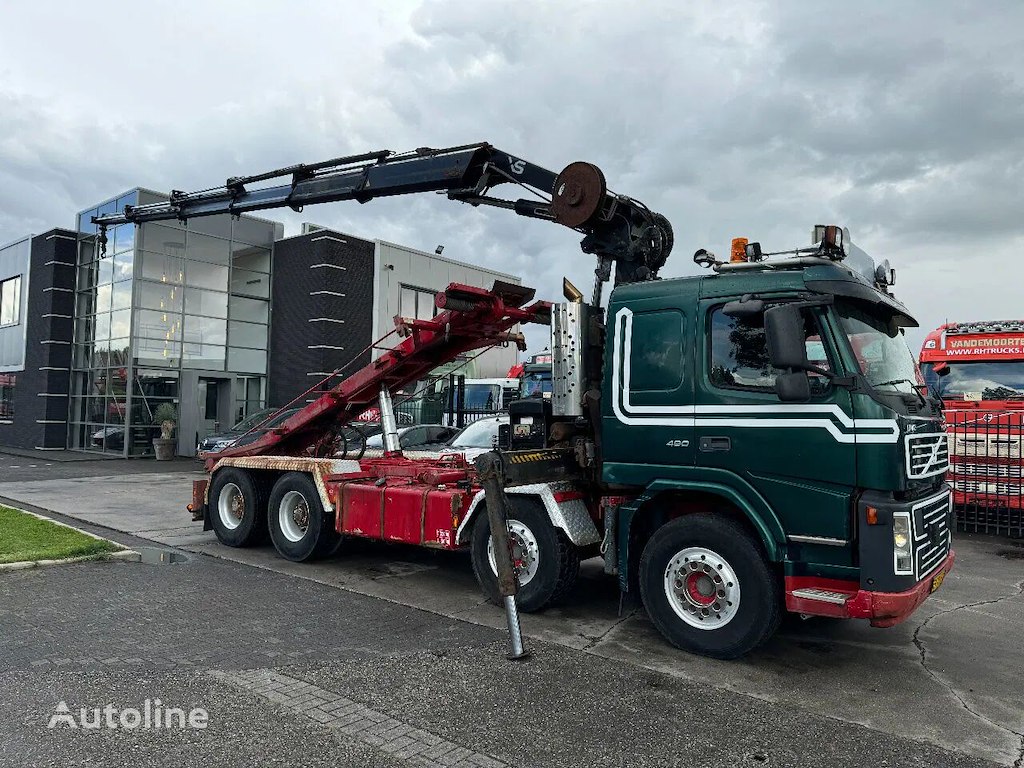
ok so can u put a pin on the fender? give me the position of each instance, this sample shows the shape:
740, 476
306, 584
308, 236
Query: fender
745, 498
568, 515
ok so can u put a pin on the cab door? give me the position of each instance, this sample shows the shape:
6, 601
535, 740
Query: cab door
648, 391
800, 457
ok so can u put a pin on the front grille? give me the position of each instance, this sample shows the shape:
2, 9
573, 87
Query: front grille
998, 488
931, 533
978, 443
977, 469
987, 470
927, 455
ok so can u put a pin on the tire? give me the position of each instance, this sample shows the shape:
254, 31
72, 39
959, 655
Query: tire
712, 559
300, 528
555, 564
238, 504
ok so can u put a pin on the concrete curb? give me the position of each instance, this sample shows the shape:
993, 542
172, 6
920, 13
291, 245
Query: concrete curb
122, 553
128, 555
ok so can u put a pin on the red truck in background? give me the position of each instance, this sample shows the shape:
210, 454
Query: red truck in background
534, 375
977, 369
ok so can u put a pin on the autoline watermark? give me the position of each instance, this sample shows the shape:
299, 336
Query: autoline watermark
154, 714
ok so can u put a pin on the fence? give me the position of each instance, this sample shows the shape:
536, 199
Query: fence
986, 469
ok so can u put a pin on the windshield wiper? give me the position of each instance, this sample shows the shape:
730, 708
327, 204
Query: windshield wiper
913, 384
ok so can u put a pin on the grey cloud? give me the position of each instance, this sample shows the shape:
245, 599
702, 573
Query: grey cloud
902, 120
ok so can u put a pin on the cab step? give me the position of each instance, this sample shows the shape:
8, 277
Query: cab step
822, 595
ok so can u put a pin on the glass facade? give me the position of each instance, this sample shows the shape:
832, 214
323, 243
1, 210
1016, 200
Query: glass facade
167, 300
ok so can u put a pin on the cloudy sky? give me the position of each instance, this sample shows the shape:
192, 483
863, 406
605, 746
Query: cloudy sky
903, 121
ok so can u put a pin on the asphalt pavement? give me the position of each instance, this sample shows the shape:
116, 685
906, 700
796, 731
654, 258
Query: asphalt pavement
290, 672
940, 689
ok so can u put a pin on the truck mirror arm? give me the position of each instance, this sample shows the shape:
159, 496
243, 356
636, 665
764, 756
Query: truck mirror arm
835, 379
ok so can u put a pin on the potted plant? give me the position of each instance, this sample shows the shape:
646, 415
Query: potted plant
167, 417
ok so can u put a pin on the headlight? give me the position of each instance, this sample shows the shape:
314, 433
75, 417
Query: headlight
903, 558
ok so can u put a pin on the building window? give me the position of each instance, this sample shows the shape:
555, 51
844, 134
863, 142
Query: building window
10, 301
416, 303
7, 381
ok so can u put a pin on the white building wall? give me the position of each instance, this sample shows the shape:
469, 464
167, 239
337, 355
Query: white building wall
396, 266
14, 262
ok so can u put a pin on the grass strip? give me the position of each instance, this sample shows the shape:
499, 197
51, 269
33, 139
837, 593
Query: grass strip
26, 537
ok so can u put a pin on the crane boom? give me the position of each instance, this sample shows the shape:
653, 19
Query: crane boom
617, 229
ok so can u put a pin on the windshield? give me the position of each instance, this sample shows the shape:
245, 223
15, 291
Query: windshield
479, 397
377, 440
479, 434
977, 381
881, 350
252, 420
536, 383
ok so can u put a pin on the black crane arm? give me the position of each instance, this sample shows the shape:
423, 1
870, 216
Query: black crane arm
616, 228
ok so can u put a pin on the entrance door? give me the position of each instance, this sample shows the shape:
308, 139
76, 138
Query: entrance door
209, 412
206, 408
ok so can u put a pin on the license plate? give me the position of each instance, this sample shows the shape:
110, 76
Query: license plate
937, 580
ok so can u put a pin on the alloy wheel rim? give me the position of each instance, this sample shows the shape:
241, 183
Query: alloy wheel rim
525, 552
702, 588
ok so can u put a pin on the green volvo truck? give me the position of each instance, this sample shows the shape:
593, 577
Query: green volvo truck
752, 440
772, 418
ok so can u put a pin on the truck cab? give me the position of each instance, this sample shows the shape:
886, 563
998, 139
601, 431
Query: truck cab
977, 370
828, 466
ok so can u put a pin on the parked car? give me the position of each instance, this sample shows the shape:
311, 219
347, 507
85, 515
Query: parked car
479, 437
109, 438
354, 436
415, 437
248, 430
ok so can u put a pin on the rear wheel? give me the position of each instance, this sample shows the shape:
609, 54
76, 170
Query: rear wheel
238, 508
708, 588
300, 527
546, 562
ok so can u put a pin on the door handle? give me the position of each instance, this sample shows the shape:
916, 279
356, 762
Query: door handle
715, 444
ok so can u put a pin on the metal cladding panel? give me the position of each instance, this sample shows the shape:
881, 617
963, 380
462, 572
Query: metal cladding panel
322, 310
15, 263
568, 322
40, 402
401, 267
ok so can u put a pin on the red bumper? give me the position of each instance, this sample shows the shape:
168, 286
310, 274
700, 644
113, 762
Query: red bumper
883, 609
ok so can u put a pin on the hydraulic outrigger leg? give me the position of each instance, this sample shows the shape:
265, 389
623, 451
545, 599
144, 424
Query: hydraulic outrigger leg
491, 477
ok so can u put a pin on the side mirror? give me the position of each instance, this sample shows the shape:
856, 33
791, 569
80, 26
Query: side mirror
793, 387
784, 333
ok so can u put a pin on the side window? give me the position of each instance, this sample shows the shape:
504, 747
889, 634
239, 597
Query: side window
739, 353
656, 351
412, 437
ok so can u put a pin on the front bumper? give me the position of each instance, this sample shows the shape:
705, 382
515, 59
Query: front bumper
845, 600
886, 609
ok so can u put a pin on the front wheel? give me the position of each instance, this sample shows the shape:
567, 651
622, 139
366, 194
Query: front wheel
546, 562
708, 588
300, 527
